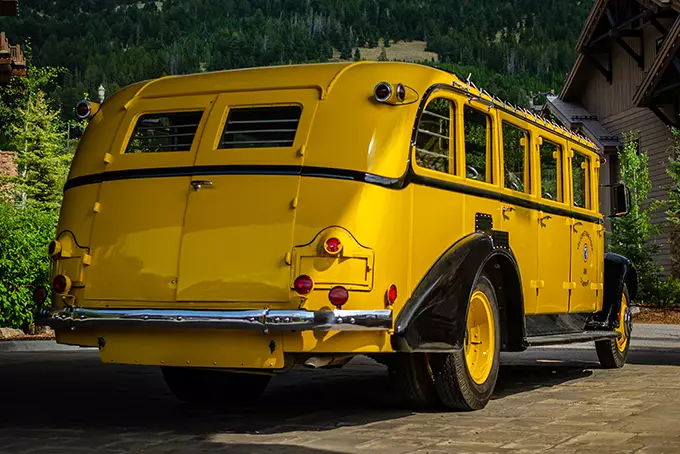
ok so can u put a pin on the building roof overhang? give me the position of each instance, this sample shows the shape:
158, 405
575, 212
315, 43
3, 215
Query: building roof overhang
576, 118
604, 28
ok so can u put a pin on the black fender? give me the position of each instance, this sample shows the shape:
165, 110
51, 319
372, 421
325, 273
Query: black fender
434, 317
618, 270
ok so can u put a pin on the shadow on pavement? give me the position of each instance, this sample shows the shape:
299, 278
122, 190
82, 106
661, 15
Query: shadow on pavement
654, 356
65, 391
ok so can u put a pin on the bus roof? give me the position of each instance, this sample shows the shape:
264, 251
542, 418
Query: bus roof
323, 76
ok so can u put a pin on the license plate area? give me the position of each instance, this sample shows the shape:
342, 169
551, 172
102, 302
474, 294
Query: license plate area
194, 348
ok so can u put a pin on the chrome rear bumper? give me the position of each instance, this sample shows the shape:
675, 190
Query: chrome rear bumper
264, 320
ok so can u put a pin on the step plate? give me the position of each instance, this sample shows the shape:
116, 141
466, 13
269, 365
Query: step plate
585, 336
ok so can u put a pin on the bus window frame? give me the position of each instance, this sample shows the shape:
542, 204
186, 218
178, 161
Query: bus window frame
454, 155
492, 168
562, 172
529, 170
592, 198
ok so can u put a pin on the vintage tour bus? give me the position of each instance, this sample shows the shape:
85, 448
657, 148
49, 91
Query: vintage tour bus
229, 226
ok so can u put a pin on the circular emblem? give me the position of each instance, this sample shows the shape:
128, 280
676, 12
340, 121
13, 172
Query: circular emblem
585, 252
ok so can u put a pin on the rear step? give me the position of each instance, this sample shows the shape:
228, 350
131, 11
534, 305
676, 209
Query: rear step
571, 338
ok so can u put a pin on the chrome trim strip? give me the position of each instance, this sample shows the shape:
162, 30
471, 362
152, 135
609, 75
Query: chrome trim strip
265, 319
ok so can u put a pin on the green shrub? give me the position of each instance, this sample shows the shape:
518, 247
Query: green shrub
668, 292
24, 263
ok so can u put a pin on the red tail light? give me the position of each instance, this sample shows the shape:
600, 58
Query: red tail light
333, 246
392, 294
61, 284
83, 110
40, 295
338, 296
303, 284
54, 248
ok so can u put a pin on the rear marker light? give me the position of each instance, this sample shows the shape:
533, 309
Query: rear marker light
61, 284
54, 248
382, 92
40, 295
303, 284
392, 294
83, 110
338, 296
333, 246
401, 93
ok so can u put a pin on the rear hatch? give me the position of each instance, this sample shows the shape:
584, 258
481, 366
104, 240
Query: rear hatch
214, 221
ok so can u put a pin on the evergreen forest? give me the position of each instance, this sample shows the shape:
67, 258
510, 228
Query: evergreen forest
511, 47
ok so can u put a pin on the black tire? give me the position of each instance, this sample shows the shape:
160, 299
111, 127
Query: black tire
608, 350
206, 386
412, 378
453, 382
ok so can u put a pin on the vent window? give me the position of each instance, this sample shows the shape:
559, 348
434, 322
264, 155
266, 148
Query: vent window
261, 127
164, 132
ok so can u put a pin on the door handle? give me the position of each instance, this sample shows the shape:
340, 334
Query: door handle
198, 184
507, 210
544, 218
576, 224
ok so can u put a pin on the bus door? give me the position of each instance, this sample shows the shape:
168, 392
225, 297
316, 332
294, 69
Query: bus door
554, 229
518, 215
587, 239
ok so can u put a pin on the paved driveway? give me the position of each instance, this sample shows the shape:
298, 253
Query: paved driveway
552, 399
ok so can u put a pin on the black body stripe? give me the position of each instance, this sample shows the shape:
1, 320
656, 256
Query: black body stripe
323, 172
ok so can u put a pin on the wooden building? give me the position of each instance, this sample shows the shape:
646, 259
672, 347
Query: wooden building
12, 60
626, 78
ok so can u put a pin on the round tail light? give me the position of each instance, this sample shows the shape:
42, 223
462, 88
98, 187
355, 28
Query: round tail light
392, 294
401, 93
333, 246
338, 296
83, 110
40, 295
54, 248
303, 284
382, 92
61, 284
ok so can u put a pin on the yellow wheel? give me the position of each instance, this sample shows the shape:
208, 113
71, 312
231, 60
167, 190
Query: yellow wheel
480, 337
465, 380
614, 353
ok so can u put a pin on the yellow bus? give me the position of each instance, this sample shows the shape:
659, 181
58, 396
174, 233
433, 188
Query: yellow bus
229, 226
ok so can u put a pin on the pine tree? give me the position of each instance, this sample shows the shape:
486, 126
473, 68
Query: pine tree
357, 55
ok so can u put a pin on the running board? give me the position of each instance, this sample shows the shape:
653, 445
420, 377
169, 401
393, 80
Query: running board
557, 339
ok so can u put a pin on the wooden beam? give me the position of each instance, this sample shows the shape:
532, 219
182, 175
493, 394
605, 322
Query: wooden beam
655, 22
607, 73
640, 59
662, 116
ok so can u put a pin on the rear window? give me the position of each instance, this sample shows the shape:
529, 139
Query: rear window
261, 127
164, 132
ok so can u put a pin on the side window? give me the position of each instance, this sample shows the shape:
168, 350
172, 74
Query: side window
477, 145
164, 132
516, 168
580, 166
433, 142
551, 171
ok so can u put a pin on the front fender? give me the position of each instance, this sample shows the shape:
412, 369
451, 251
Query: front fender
618, 270
434, 317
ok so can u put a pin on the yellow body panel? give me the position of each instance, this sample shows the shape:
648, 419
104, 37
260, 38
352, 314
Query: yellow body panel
153, 234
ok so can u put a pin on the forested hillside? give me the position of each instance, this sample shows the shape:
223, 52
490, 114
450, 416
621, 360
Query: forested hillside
510, 46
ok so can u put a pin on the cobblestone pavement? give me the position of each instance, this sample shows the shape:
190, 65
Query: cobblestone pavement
552, 400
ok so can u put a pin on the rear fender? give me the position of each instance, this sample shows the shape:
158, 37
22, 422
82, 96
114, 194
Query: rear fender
434, 317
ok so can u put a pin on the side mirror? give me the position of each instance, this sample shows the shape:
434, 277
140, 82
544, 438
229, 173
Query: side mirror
620, 198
